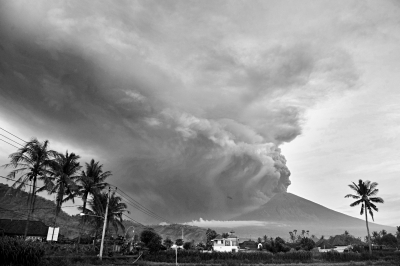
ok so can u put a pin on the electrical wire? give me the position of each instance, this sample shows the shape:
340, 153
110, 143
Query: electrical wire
10, 143
138, 208
141, 208
13, 134
132, 202
11, 139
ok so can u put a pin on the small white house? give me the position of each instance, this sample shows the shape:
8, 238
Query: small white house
339, 249
228, 244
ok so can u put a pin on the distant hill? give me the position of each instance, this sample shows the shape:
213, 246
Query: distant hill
286, 212
13, 205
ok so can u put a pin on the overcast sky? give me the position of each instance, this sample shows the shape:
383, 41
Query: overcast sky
194, 105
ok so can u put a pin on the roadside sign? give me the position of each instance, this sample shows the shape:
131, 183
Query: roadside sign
52, 234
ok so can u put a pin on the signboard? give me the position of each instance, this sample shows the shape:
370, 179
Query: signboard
52, 234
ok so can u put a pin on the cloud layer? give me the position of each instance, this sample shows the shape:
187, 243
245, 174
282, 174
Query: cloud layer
187, 102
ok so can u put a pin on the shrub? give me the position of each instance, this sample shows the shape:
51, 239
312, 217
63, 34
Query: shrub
19, 252
190, 256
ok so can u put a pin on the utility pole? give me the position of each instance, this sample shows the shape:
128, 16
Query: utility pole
55, 221
104, 226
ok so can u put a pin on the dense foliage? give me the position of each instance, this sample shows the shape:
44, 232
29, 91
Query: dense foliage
151, 240
19, 252
222, 257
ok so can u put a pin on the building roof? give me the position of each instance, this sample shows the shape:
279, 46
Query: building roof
324, 244
17, 227
218, 237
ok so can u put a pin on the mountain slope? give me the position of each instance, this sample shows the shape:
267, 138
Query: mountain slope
289, 211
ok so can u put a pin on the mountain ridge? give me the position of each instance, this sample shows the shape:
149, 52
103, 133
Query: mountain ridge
291, 211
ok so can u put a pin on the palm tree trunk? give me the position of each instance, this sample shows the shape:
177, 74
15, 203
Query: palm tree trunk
31, 206
369, 237
84, 198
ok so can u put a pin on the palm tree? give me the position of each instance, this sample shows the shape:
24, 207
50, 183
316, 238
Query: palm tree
64, 169
32, 162
116, 209
92, 180
364, 195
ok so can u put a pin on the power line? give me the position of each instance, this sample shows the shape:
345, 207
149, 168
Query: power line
130, 200
138, 208
9, 143
133, 219
11, 139
142, 208
13, 134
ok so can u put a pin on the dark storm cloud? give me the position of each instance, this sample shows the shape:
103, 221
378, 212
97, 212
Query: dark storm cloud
186, 115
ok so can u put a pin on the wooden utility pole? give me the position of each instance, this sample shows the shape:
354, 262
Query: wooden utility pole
104, 226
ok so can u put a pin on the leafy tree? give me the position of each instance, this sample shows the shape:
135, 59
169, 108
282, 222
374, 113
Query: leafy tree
259, 240
63, 172
376, 238
265, 238
179, 242
383, 232
92, 181
398, 234
168, 242
32, 163
201, 245
188, 245
154, 244
307, 243
292, 237
225, 235
147, 235
389, 240
210, 234
364, 195
280, 245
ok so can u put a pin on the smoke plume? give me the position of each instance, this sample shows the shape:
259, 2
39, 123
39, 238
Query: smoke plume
186, 104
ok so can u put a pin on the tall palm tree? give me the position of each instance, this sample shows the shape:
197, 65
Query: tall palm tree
64, 170
32, 163
364, 195
116, 209
92, 181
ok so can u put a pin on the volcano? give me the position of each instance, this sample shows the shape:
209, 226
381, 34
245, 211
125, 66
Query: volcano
285, 212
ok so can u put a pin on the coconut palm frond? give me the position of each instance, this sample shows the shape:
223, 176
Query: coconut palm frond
356, 203
372, 186
373, 192
377, 200
352, 196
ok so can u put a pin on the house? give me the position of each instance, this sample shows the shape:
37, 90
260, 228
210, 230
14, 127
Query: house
228, 244
37, 230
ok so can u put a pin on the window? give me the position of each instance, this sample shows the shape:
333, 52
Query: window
222, 241
227, 243
234, 243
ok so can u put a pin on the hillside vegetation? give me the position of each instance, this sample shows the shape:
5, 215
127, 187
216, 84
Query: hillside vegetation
13, 205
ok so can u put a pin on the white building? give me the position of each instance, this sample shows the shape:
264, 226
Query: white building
228, 244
